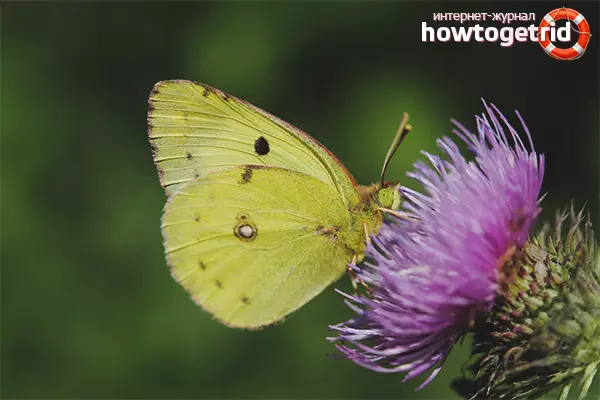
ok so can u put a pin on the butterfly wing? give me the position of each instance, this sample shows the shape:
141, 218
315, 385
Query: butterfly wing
195, 129
253, 243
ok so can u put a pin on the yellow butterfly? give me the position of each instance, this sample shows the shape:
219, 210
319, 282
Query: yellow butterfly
260, 217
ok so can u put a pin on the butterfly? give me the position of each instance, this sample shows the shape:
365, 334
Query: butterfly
260, 217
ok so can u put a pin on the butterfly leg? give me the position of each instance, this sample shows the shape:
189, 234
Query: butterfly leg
367, 237
400, 215
355, 279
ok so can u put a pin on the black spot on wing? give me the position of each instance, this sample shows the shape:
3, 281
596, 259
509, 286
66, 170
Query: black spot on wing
261, 146
153, 92
246, 176
153, 146
330, 231
189, 155
245, 300
218, 284
202, 266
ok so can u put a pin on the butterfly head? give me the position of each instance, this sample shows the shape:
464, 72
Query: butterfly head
388, 196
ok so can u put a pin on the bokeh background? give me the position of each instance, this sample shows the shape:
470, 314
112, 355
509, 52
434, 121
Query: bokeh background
88, 306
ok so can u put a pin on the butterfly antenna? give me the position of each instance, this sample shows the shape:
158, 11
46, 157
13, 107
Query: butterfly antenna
403, 130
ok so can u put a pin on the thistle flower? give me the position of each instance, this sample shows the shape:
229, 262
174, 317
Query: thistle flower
544, 330
429, 279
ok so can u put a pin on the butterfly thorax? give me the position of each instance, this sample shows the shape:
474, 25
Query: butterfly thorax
366, 216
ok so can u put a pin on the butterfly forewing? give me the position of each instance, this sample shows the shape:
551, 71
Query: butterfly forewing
195, 129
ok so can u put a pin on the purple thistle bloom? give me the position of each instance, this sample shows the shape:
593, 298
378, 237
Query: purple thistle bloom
430, 278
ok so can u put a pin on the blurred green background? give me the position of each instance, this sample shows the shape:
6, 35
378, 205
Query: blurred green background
88, 306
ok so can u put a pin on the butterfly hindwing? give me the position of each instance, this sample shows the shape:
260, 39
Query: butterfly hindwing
253, 243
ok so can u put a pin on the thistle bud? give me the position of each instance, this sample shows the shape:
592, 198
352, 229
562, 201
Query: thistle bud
544, 329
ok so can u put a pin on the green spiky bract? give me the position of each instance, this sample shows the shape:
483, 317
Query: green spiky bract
544, 329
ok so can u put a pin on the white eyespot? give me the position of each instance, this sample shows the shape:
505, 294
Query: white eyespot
247, 231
